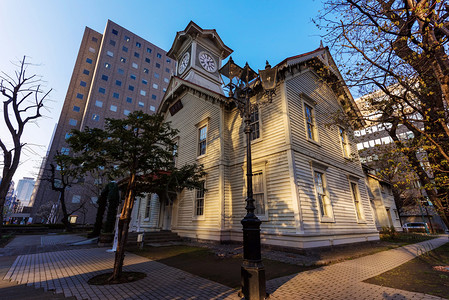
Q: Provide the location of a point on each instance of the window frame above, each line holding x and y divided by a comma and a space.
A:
196, 216
344, 142
309, 102
259, 123
199, 126
328, 217
358, 206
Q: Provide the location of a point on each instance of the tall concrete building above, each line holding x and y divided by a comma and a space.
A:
24, 190
115, 73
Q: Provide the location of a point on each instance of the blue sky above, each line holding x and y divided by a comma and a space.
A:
49, 32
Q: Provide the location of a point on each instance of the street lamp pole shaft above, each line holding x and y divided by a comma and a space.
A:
253, 271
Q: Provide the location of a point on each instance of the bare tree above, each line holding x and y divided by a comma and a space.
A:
396, 51
62, 177
22, 104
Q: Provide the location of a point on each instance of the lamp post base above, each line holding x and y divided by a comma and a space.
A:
253, 281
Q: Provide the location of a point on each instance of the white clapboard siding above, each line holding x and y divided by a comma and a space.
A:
328, 152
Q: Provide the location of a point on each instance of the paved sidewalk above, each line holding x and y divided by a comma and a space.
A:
68, 271
344, 280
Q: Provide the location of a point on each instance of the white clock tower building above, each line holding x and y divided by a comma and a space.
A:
199, 53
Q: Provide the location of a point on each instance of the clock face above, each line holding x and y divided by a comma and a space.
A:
207, 62
183, 63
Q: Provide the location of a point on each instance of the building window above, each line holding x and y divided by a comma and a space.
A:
116, 95
135, 66
199, 200
72, 219
344, 141
89, 61
65, 151
136, 54
164, 90
129, 99
152, 108
396, 215
143, 93
76, 108
322, 195
98, 103
127, 38
141, 104
144, 81
125, 49
310, 121
148, 208
104, 77
145, 70
94, 199
259, 193
155, 86
133, 77
86, 72
149, 50
110, 53
113, 108
167, 70
122, 59
168, 60
138, 45
357, 203
202, 138
166, 79
73, 122
156, 75
102, 90
107, 65
76, 198
131, 88
255, 134
94, 39
114, 31
126, 112
79, 96
154, 97
159, 55
96, 117
118, 82
147, 60
112, 42
67, 135
83, 83
158, 65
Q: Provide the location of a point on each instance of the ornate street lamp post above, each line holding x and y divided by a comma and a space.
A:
244, 83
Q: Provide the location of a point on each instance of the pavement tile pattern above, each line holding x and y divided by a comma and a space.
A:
68, 271
344, 280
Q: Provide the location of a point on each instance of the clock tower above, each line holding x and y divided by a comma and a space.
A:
199, 53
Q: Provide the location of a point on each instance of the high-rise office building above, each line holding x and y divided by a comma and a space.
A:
24, 189
115, 73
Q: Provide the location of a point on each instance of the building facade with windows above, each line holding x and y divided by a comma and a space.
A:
308, 189
115, 73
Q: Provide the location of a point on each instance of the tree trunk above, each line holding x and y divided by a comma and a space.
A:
123, 227
65, 218
102, 202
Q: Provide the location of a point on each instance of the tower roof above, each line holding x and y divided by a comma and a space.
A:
193, 31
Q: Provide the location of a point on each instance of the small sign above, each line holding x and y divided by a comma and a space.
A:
175, 107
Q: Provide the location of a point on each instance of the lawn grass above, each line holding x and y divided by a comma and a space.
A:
418, 274
5, 239
204, 263
403, 239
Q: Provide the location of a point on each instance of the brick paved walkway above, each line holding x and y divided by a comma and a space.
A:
344, 280
68, 271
